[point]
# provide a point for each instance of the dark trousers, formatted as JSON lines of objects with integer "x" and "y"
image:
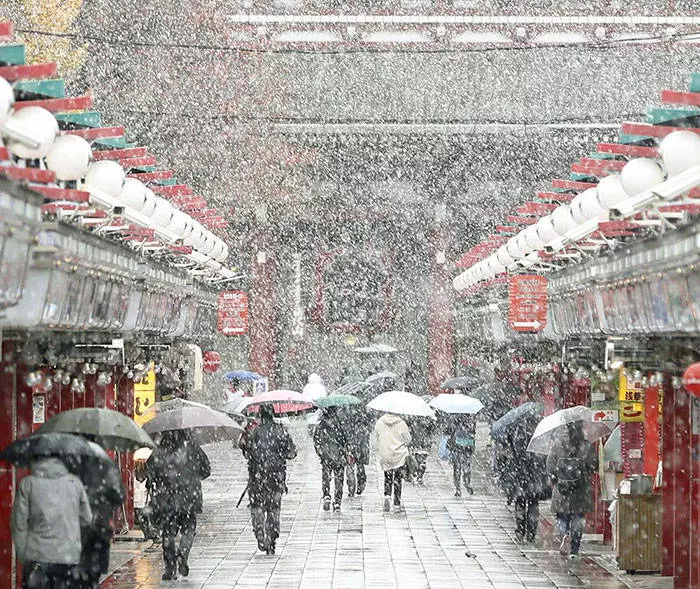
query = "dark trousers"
{"x": 574, "y": 524}
{"x": 265, "y": 515}
{"x": 462, "y": 468}
{"x": 422, "y": 464}
{"x": 527, "y": 517}
{"x": 42, "y": 575}
{"x": 338, "y": 473}
{"x": 183, "y": 524}
{"x": 356, "y": 476}
{"x": 392, "y": 480}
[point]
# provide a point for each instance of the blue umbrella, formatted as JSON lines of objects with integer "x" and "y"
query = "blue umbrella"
{"x": 243, "y": 375}
{"x": 505, "y": 424}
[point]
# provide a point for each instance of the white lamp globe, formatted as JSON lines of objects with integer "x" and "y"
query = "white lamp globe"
{"x": 106, "y": 176}
{"x": 7, "y": 99}
{"x": 37, "y": 125}
{"x": 503, "y": 256}
{"x": 149, "y": 202}
{"x": 522, "y": 242}
{"x": 546, "y": 231}
{"x": 209, "y": 243}
{"x": 532, "y": 238}
{"x": 514, "y": 249}
{"x": 610, "y": 191}
{"x": 562, "y": 219}
{"x": 178, "y": 222}
{"x": 133, "y": 195}
{"x": 162, "y": 212}
{"x": 589, "y": 207}
{"x": 494, "y": 266}
{"x": 680, "y": 150}
{"x": 458, "y": 282}
{"x": 224, "y": 254}
{"x": 575, "y": 205}
{"x": 641, "y": 174}
{"x": 69, "y": 157}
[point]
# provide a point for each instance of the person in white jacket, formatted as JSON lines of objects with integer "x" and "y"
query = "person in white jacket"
{"x": 314, "y": 390}
{"x": 392, "y": 437}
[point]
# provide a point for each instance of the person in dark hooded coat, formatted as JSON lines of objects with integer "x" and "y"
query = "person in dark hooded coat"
{"x": 331, "y": 444}
{"x": 528, "y": 480}
{"x": 357, "y": 425}
{"x": 460, "y": 443}
{"x": 267, "y": 448}
{"x": 176, "y": 469}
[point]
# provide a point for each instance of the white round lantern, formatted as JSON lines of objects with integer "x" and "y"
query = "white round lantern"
{"x": 69, "y": 157}
{"x": 610, "y": 191}
{"x": 532, "y": 238}
{"x": 7, "y": 99}
{"x": 162, "y": 213}
{"x": 494, "y": 266}
{"x": 679, "y": 151}
{"x": 562, "y": 219}
{"x": 503, "y": 256}
{"x": 589, "y": 207}
{"x": 31, "y": 131}
{"x": 178, "y": 222}
{"x": 209, "y": 243}
{"x": 106, "y": 176}
{"x": 149, "y": 202}
{"x": 524, "y": 246}
{"x": 133, "y": 195}
{"x": 514, "y": 249}
{"x": 224, "y": 254}
{"x": 546, "y": 231}
{"x": 641, "y": 174}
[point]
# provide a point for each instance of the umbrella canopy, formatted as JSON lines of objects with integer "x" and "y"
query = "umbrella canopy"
{"x": 232, "y": 405}
{"x": 26, "y": 450}
{"x": 552, "y": 427}
{"x": 401, "y": 403}
{"x": 384, "y": 374}
{"x": 461, "y": 382}
{"x": 112, "y": 430}
{"x": 457, "y": 403}
{"x": 351, "y": 388}
{"x": 204, "y": 424}
{"x": 242, "y": 375}
{"x": 283, "y": 403}
{"x": 505, "y": 425}
{"x": 376, "y": 349}
{"x": 612, "y": 452}
{"x": 336, "y": 400}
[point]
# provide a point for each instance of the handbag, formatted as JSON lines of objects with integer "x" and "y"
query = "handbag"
{"x": 443, "y": 451}
{"x": 411, "y": 464}
{"x": 36, "y": 577}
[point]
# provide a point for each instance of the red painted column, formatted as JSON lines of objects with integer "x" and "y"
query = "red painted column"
{"x": 53, "y": 396}
{"x": 263, "y": 310}
{"x": 440, "y": 314}
{"x": 669, "y": 479}
{"x": 8, "y": 372}
{"x": 695, "y": 499}
{"x": 125, "y": 405}
{"x": 681, "y": 573}
{"x": 66, "y": 397}
{"x": 90, "y": 386}
{"x": 651, "y": 430}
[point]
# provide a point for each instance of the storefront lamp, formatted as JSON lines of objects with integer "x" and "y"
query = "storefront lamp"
{"x": 31, "y": 132}
{"x": 562, "y": 219}
{"x": 504, "y": 256}
{"x": 162, "y": 212}
{"x": 641, "y": 174}
{"x": 107, "y": 177}
{"x": 546, "y": 231}
{"x": 513, "y": 250}
{"x": 680, "y": 150}
{"x": 133, "y": 195}
{"x": 69, "y": 157}
{"x": 610, "y": 191}
{"x": 149, "y": 202}
{"x": 532, "y": 238}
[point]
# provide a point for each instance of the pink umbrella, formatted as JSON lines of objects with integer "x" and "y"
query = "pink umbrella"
{"x": 283, "y": 403}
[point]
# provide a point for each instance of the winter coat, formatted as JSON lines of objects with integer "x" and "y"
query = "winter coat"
{"x": 463, "y": 428}
{"x": 357, "y": 424}
{"x": 267, "y": 448}
{"x": 177, "y": 473}
{"x": 330, "y": 440}
{"x": 527, "y": 472}
{"x": 103, "y": 485}
{"x": 50, "y": 506}
{"x": 581, "y": 499}
{"x": 393, "y": 438}
{"x": 422, "y": 431}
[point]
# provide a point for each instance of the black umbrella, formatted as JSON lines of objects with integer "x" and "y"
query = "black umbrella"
{"x": 502, "y": 427}
{"x": 25, "y": 451}
{"x": 463, "y": 383}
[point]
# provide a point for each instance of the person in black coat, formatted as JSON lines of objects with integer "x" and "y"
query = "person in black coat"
{"x": 357, "y": 424}
{"x": 176, "y": 469}
{"x": 422, "y": 431}
{"x": 267, "y": 447}
{"x": 332, "y": 447}
{"x": 460, "y": 442}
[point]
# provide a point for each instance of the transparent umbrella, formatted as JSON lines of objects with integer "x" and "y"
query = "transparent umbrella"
{"x": 401, "y": 403}
{"x": 553, "y": 426}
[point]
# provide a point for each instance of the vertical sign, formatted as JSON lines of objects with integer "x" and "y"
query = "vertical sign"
{"x": 527, "y": 299}
{"x": 233, "y": 312}
{"x": 631, "y": 399}
{"x": 144, "y": 396}
{"x": 38, "y": 409}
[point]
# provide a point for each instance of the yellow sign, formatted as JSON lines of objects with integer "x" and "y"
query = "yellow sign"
{"x": 631, "y": 395}
{"x": 144, "y": 396}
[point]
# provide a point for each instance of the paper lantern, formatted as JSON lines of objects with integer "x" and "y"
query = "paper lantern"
{"x": 133, "y": 195}
{"x": 680, "y": 150}
{"x": 162, "y": 213}
{"x": 611, "y": 192}
{"x": 106, "y": 176}
{"x": 691, "y": 379}
{"x": 562, "y": 220}
{"x": 211, "y": 361}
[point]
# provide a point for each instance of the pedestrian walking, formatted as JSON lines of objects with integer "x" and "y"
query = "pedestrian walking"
{"x": 571, "y": 463}
{"x": 50, "y": 507}
{"x": 422, "y": 431}
{"x": 358, "y": 427}
{"x": 331, "y": 444}
{"x": 267, "y": 448}
{"x": 313, "y": 390}
{"x": 176, "y": 470}
{"x": 527, "y": 479}
{"x": 393, "y": 437}
{"x": 460, "y": 443}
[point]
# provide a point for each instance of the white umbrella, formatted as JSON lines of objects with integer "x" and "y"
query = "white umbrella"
{"x": 456, "y": 403}
{"x": 550, "y": 428}
{"x": 401, "y": 403}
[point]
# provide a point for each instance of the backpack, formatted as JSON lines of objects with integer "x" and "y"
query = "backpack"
{"x": 569, "y": 475}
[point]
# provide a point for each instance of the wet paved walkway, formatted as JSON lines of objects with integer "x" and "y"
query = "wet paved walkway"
{"x": 440, "y": 542}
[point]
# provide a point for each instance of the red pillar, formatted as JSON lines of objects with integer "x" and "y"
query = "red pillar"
{"x": 440, "y": 314}
{"x": 125, "y": 405}
{"x": 66, "y": 397}
{"x": 263, "y": 311}
{"x": 651, "y": 430}
{"x": 8, "y": 372}
{"x": 669, "y": 480}
{"x": 90, "y": 386}
{"x": 682, "y": 506}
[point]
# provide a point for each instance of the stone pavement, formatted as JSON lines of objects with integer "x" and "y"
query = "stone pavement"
{"x": 440, "y": 542}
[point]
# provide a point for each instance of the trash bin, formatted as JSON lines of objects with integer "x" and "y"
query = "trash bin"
{"x": 638, "y": 524}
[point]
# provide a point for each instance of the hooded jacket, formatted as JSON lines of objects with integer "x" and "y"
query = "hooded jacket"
{"x": 581, "y": 499}
{"x": 330, "y": 440}
{"x": 50, "y": 506}
{"x": 393, "y": 438}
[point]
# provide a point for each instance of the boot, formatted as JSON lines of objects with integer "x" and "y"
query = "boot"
{"x": 326, "y": 503}
{"x": 387, "y": 503}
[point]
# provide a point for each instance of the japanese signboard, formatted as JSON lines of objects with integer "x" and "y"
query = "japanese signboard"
{"x": 527, "y": 297}
{"x": 144, "y": 396}
{"x": 631, "y": 399}
{"x": 233, "y": 312}
{"x": 605, "y": 415}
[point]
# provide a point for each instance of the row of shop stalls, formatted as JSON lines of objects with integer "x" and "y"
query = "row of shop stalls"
{"x": 109, "y": 268}
{"x": 590, "y": 295}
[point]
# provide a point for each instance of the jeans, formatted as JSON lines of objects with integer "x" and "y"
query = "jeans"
{"x": 527, "y": 517}
{"x": 183, "y": 523}
{"x": 338, "y": 473}
{"x": 571, "y": 523}
{"x": 392, "y": 479}
{"x": 356, "y": 476}
{"x": 462, "y": 468}
{"x": 41, "y": 575}
{"x": 266, "y": 520}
